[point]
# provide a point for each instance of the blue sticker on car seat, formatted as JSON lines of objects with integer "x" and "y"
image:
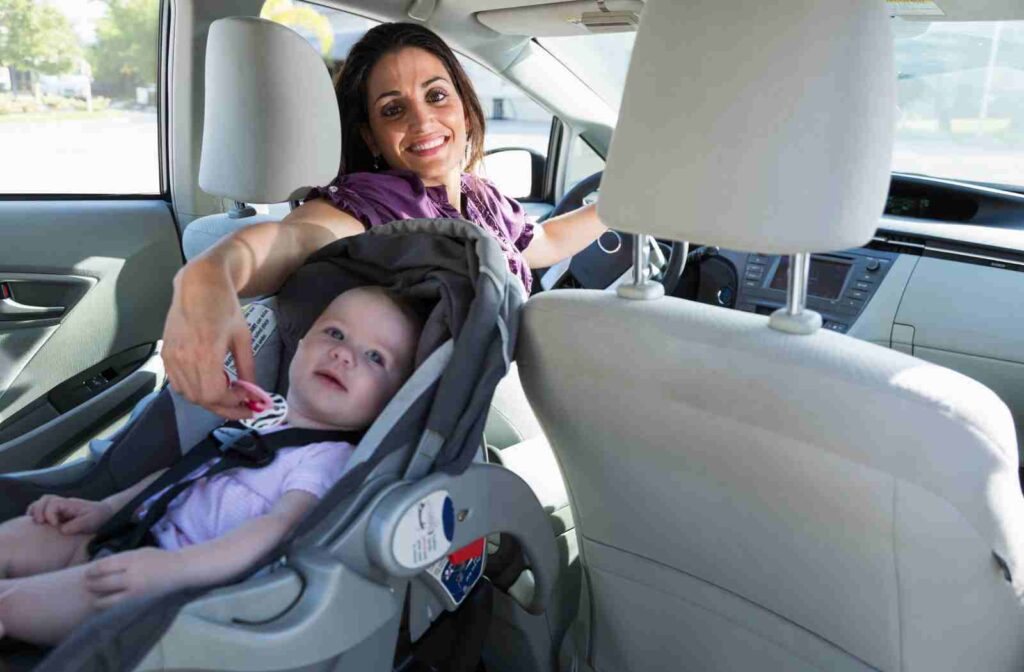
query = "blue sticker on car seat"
{"x": 448, "y": 518}
{"x": 458, "y": 580}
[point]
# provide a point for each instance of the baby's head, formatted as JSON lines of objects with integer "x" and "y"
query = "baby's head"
{"x": 352, "y": 360}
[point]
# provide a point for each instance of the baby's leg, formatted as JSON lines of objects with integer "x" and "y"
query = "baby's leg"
{"x": 45, "y": 608}
{"x": 28, "y": 548}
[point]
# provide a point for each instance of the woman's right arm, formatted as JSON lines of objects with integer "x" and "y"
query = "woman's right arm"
{"x": 205, "y": 320}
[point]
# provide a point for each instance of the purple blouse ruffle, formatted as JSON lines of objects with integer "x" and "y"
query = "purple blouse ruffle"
{"x": 379, "y": 198}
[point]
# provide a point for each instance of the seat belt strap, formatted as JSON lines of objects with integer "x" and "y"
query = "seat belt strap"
{"x": 230, "y": 446}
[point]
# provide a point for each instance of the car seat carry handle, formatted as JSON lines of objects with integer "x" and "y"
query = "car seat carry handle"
{"x": 416, "y": 524}
{"x": 342, "y": 614}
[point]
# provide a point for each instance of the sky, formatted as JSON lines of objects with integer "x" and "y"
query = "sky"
{"x": 83, "y": 15}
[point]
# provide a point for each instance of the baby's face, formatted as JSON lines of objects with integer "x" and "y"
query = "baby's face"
{"x": 350, "y": 363}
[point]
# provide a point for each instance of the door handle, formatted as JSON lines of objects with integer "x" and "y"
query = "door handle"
{"x": 11, "y": 310}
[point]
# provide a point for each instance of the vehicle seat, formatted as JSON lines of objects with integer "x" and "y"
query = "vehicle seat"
{"x": 754, "y": 492}
{"x": 277, "y": 115}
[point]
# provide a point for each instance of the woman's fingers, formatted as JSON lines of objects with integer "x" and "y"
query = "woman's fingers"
{"x": 232, "y": 406}
{"x": 241, "y": 350}
{"x": 195, "y": 364}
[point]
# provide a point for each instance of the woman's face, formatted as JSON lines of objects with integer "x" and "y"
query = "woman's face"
{"x": 417, "y": 121}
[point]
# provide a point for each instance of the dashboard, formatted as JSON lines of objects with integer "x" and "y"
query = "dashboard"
{"x": 839, "y": 285}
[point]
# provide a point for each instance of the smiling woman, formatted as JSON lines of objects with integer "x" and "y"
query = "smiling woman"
{"x": 412, "y": 131}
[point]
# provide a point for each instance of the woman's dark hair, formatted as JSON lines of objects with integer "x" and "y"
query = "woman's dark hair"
{"x": 351, "y": 90}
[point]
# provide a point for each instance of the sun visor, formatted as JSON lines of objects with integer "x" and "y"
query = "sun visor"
{"x": 755, "y": 126}
{"x": 560, "y": 19}
{"x": 271, "y": 124}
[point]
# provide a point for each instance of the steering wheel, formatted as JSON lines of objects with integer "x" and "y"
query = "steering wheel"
{"x": 573, "y": 199}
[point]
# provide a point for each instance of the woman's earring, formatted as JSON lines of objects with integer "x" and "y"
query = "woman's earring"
{"x": 376, "y": 161}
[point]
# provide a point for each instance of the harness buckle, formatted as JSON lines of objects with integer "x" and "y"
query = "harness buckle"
{"x": 246, "y": 444}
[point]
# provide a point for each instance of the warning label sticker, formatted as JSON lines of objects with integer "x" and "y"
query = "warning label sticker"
{"x": 424, "y": 532}
{"x": 262, "y": 325}
{"x": 457, "y": 579}
{"x": 913, "y": 8}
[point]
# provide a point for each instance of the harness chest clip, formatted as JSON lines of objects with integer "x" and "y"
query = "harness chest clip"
{"x": 247, "y": 445}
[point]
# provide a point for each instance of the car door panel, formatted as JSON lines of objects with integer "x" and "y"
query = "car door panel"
{"x": 98, "y": 274}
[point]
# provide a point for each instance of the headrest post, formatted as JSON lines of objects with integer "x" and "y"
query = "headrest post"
{"x": 796, "y": 291}
{"x": 642, "y": 289}
{"x": 241, "y": 210}
{"x": 794, "y": 318}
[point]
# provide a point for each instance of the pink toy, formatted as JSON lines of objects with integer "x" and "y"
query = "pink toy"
{"x": 258, "y": 399}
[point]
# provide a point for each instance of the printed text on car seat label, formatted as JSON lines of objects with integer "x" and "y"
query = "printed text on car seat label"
{"x": 262, "y": 325}
{"x": 424, "y": 532}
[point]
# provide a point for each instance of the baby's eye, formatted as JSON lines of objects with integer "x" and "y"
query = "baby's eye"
{"x": 436, "y": 95}
{"x": 335, "y": 333}
{"x": 375, "y": 357}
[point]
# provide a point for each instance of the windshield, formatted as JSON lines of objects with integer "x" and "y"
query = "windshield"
{"x": 960, "y": 92}
{"x": 600, "y": 61}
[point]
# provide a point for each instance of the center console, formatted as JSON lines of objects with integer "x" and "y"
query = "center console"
{"x": 839, "y": 285}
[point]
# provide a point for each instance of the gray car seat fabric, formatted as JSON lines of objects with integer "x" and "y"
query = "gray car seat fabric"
{"x": 752, "y": 492}
{"x": 460, "y": 276}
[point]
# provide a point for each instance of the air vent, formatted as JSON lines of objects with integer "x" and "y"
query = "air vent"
{"x": 898, "y": 243}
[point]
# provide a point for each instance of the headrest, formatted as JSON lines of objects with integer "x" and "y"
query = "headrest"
{"x": 271, "y": 124}
{"x": 755, "y": 126}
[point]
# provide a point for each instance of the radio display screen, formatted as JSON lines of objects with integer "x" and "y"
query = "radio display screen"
{"x": 825, "y": 280}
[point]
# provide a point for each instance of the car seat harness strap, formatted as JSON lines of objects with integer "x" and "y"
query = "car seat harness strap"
{"x": 230, "y": 446}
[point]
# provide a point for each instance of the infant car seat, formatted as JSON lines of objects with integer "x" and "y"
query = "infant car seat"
{"x": 333, "y": 595}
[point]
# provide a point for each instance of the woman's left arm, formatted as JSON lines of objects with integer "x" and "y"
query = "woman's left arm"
{"x": 563, "y": 236}
{"x": 151, "y": 570}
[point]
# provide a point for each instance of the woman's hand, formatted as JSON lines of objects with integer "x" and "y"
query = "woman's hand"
{"x": 146, "y": 571}
{"x": 70, "y": 515}
{"x": 204, "y": 323}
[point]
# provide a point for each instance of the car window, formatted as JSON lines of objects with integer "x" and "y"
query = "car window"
{"x": 600, "y": 61}
{"x": 960, "y": 94}
{"x": 513, "y": 119}
{"x": 583, "y": 162}
{"x": 78, "y": 97}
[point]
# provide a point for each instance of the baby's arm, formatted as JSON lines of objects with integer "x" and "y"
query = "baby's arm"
{"x": 221, "y": 558}
{"x": 117, "y": 500}
{"x": 82, "y": 516}
{"x": 151, "y": 570}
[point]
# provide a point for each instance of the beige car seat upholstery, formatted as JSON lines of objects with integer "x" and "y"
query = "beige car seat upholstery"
{"x": 271, "y": 127}
{"x": 746, "y": 497}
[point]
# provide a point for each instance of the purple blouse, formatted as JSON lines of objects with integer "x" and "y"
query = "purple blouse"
{"x": 379, "y": 198}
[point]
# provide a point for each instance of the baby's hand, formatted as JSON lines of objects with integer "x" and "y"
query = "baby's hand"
{"x": 146, "y": 571}
{"x": 69, "y": 515}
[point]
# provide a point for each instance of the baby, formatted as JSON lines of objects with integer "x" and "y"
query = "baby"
{"x": 346, "y": 368}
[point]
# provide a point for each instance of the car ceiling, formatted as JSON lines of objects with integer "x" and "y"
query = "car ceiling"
{"x": 455, "y": 17}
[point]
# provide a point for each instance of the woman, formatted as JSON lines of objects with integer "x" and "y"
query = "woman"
{"x": 411, "y": 124}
